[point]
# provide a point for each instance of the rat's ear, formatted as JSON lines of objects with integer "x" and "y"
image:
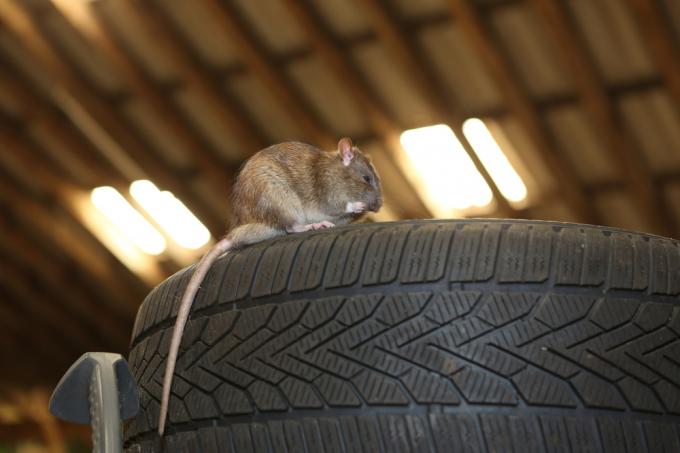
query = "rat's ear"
{"x": 345, "y": 149}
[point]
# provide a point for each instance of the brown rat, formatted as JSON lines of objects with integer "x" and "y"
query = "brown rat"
{"x": 290, "y": 187}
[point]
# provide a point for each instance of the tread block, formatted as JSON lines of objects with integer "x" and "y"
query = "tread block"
{"x": 596, "y": 392}
{"x": 474, "y": 252}
{"x": 450, "y": 305}
{"x": 558, "y": 310}
{"x": 610, "y": 313}
{"x": 377, "y": 388}
{"x": 501, "y": 308}
{"x": 398, "y": 307}
{"x": 538, "y": 387}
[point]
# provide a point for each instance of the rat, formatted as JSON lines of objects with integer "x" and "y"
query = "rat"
{"x": 287, "y": 188}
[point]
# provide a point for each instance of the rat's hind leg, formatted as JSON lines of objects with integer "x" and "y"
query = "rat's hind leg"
{"x": 251, "y": 233}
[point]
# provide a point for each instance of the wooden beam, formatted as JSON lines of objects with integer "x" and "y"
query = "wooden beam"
{"x": 261, "y": 66}
{"x": 47, "y": 223}
{"x": 38, "y": 343}
{"x": 657, "y": 32}
{"x": 96, "y": 119}
{"x": 593, "y": 95}
{"x": 343, "y": 68}
{"x": 39, "y": 252}
{"x": 100, "y": 318}
{"x": 206, "y": 86}
{"x": 413, "y": 66}
{"x": 42, "y": 310}
{"x": 99, "y": 32}
{"x": 40, "y": 116}
{"x": 520, "y": 105}
{"x": 19, "y": 154}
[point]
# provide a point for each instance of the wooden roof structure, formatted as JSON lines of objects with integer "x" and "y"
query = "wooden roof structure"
{"x": 104, "y": 92}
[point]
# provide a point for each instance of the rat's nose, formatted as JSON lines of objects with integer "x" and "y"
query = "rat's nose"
{"x": 376, "y": 205}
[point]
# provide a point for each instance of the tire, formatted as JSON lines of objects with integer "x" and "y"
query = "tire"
{"x": 422, "y": 336}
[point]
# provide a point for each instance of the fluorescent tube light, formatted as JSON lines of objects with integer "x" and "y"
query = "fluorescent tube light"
{"x": 447, "y": 174}
{"x": 171, "y": 215}
{"x": 127, "y": 220}
{"x": 494, "y": 160}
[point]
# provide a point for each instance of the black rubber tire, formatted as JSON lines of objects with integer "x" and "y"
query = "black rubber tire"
{"x": 424, "y": 336}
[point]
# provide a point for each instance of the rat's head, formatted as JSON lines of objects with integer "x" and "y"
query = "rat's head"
{"x": 360, "y": 179}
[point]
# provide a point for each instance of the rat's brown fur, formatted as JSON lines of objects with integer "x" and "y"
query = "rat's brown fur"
{"x": 295, "y": 183}
{"x": 289, "y": 187}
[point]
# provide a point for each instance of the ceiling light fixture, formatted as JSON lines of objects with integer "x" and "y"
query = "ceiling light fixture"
{"x": 128, "y": 220}
{"x": 494, "y": 160}
{"x": 448, "y": 177}
{"x": 171, "y": 215}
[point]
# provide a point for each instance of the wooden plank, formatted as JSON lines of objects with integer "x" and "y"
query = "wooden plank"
{"x": 91, "y": 114}
{"x": 18, "y": 154}
{"x": 546, "y": 103}
{"x": 342, "y": 67}
{"x": 593, "y": 96}
{"x": 100, "y": 34}
{"x": 262, "y": 67}
{"x": 413, "y": 66}
{"x": 207, "y": 87}
{"x": 100, "y": 318}
{"x": 16, "y": 327}
{"x": 37, "y": 115}
{"x": 42, "y": 310}
{"x": 657, "y": 32}
{"x": 74, "y": 242}
{"x": 520, "y": 105}
{"x": 118, "y": 294}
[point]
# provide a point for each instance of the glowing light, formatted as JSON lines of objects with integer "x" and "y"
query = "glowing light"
{"x": 127, "y": 220}
{"x": 171, "y": 214}
{"x": 448, "y": 175}
{"x": 494, "y": 160}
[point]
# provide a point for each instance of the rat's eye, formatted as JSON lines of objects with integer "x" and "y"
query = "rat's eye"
{"x": 367, "y": 179}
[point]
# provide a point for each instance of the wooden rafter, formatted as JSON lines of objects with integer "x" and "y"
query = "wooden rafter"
{"x": 412, "y": 66}
{"x": 97, "y": 120}
{"x": 661, "y": 43}
{"x": 520, "y": 105}
{"x": 545, "y": 103}
{"x": 38, "y": 115}
{"x": 59, "y": 310}
{"x": 35, "y": 304}
{"x": 131, "y": 73}
{"x": 261, "y": 66}
{"x": 341, "y": 66}
{"x": 594, "y": 98}
{"x": 13, "y": 322}
{"x": 192, "y": 74}
{"x": 23, "y": 156}
{"x": 63, "y": 277}
{"x": 45, "y": 223}
{"x": 25, "y": 255}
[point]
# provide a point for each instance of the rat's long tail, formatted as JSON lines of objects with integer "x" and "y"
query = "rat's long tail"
{"x": 204, "y": 265}
{"x": 250, "y": 233}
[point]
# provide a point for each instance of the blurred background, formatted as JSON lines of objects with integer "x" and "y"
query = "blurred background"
{"x": 123, "y": 123}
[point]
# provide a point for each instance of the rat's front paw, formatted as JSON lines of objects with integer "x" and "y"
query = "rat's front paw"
{"x": 356, "y": 207}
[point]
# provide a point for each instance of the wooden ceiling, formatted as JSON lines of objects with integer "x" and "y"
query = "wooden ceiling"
{"x": 105, "y": 92}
